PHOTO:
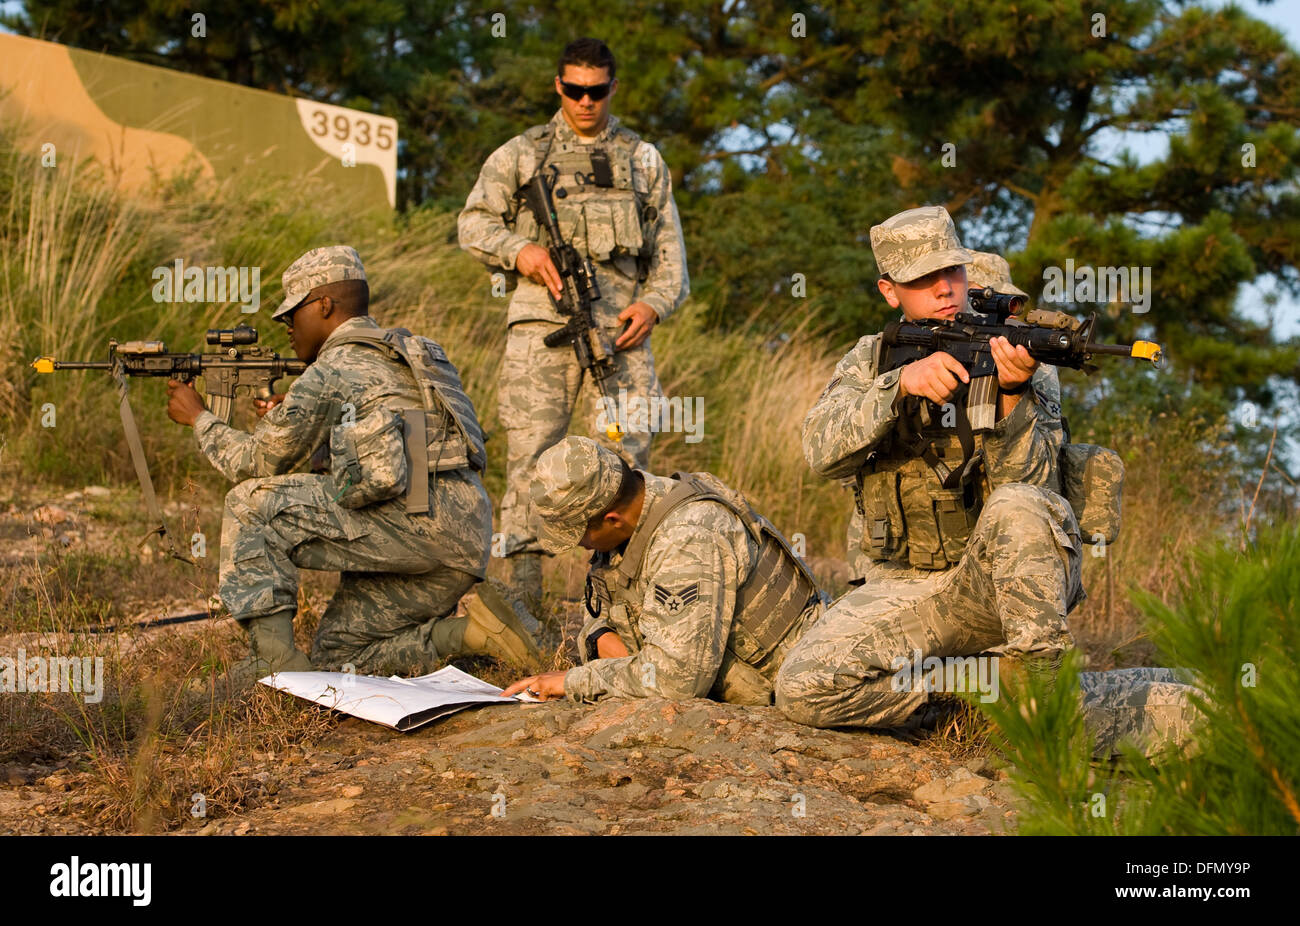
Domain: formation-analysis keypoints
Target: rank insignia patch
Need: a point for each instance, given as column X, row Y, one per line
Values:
column 674, row 602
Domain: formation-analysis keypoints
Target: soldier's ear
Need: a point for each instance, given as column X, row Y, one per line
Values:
column 886, row 288
column 327, row 306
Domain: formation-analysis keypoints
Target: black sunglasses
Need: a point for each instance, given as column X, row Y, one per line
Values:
column 578, row 91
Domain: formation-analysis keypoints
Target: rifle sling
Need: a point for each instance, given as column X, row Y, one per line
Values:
column 141, row 465
column 916, row 443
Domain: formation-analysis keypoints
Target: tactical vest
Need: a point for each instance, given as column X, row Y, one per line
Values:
column 601, row 211
column 770, row 604
column 920, row 493
column 443, row 435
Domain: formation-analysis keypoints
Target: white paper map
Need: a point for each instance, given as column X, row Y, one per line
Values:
column 400, row 703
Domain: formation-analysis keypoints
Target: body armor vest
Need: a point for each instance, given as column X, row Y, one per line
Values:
column 601, row 210
column 770, row 604
column 921, row 493
column 443, row 435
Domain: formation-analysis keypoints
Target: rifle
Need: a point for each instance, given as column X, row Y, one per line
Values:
column 237, row 368
column 1051, row 337
column 592, row 346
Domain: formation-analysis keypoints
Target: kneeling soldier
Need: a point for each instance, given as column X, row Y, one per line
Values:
column 380, row 405
column 691, row 593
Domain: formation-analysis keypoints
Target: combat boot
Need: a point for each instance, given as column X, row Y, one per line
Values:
column 494, row 629
column 1022, row 669
column 526, row 579
column 271, row 649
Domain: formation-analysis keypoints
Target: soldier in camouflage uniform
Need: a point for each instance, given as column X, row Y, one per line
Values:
column 626, row 223
column 378, row 405
column 969, row 553
column 984, row 270
column 690, row 592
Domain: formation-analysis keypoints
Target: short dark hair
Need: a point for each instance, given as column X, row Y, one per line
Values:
column 629, row 485
column 351, row 297
column 592, row 53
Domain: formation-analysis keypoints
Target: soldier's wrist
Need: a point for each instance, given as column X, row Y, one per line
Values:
column 204, row 420
column 593, row 651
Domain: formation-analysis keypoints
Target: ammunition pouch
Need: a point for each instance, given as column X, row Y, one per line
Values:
column 603, row 213
column 909, row 516
column 368, row 459
column 1092, row 479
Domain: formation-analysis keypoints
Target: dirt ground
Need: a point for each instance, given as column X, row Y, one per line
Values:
column 156, row 757
column 692, row 767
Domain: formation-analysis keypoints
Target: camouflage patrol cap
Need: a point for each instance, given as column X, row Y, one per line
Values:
column 992, row 270
column 316, row 268
column 913, row 243
column 575, row 480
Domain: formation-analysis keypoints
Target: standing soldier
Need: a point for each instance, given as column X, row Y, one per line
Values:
column 970, row 552
column 614, row 202
column 402, row 514
column 691, row 593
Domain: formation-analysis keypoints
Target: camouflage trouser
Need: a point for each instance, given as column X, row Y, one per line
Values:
column 393, row 586
column 539, row 389
column 1019, row 577
column 1010, row 593
column 1148, row 708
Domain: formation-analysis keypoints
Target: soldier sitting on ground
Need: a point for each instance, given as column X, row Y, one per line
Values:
column 972, row 547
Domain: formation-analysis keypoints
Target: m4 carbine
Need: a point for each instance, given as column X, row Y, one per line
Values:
column 594, row 350
column 238, row 367
column 1050, row 337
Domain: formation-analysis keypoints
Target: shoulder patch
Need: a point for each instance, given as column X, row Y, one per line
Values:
column 674, row 602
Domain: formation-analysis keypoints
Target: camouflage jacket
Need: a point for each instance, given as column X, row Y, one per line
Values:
column 484, row 233
column 679, row 616
column 855, row 413
column 351, row 380
column 1047, row 392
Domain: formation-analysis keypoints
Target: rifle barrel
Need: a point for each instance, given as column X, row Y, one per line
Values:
column 1118, row 350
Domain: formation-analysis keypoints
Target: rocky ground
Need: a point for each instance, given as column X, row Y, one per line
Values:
column 633, row 767
column 555, row 768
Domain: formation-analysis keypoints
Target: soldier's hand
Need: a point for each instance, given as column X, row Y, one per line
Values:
column 183, row 403
column 262, row 406
column 545, row 687
column 534, row 262
column 640, row 319
column 1015, row 366
column 934, row 378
